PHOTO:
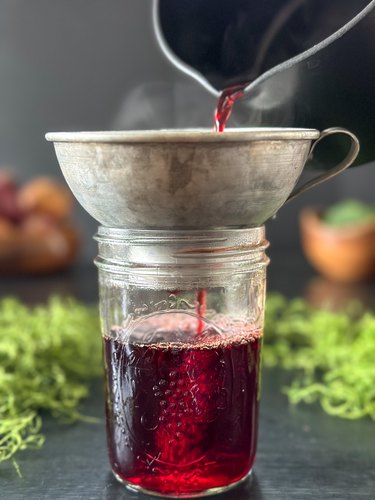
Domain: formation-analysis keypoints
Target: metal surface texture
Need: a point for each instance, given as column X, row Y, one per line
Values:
column 180, row 179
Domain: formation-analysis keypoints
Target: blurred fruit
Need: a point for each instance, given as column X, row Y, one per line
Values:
column 9, row 239
column 51, row 250
column 35, row 235
column 343, row 254
column 37, row 224
column 45, row 196
column 9, row 206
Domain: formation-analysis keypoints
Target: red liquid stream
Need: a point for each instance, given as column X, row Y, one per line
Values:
column 225, row 105
column 183, row 417
column 201, row 309
column 222, row 114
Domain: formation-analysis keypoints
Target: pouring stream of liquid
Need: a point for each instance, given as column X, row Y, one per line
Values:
column 225, row 105
column 222, row 113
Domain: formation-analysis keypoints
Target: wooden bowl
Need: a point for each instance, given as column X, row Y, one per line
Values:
column 345, row 254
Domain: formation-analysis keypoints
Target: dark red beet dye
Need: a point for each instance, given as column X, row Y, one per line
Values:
column 225, row 105
column 182, row 417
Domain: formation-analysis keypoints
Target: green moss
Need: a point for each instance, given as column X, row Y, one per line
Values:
column 47, row 356
column 332, row 355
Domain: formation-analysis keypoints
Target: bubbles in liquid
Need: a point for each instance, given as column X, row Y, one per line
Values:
column 150, row 422
column 168, row 328
column 188, row 395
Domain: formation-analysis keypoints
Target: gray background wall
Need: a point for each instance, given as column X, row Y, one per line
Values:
column 89, row 64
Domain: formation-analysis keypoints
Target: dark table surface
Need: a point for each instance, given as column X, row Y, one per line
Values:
column 303, row 453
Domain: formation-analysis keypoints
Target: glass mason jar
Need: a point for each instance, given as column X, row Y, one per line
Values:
column 182, row 319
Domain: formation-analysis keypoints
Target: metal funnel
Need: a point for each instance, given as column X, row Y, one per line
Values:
column 189, row 178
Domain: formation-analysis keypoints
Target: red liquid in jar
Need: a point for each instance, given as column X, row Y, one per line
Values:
column 182, row 417
column 225, row 105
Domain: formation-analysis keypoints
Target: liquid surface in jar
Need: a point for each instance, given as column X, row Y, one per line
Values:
column 182, row 408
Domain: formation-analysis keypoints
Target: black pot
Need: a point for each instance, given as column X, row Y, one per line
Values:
column 311, row 61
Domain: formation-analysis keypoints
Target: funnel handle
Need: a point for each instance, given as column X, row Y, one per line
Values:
column 348, row 160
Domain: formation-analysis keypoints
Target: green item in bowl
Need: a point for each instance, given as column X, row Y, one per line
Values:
column 348, row 213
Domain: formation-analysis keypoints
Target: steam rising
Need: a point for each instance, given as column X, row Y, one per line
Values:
column 156, row 105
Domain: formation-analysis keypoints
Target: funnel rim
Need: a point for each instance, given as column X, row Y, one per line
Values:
column 185, row 135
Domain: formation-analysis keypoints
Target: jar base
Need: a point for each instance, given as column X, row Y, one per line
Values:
column 211, row 491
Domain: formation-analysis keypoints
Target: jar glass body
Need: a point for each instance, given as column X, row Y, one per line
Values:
column 182, row 319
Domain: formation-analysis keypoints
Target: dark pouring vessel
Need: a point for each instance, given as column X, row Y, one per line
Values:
column 304, row 63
